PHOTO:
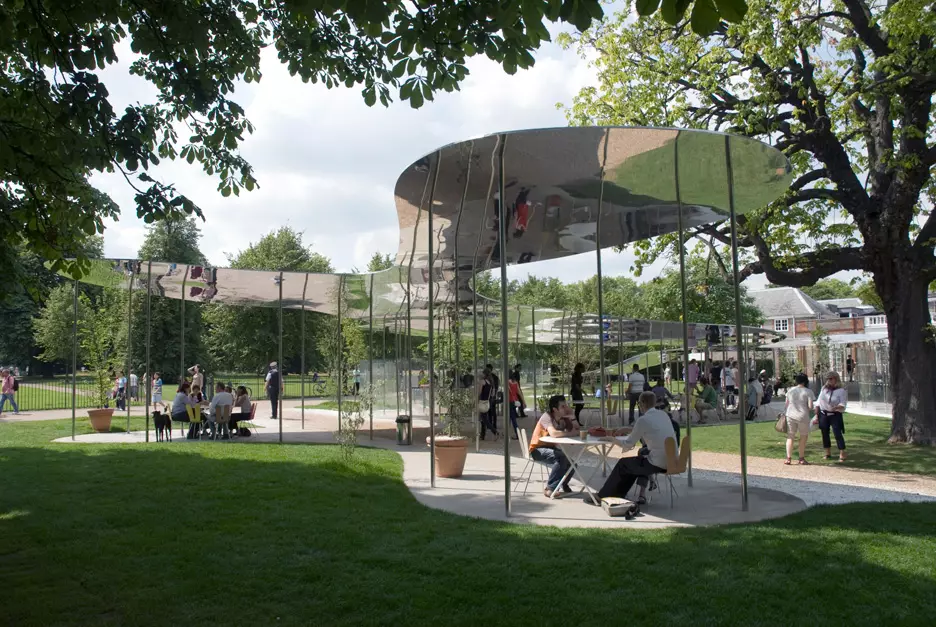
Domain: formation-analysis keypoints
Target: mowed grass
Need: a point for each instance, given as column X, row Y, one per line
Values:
column 259, row 534
column 865, row 440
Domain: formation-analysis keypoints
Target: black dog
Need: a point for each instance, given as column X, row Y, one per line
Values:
column 163, row 424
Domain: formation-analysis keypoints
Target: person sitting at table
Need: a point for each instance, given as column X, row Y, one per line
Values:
column 663, row 396
column 197, row 400
column 181, row 403
column 219, row 401
column 652, row 427
column 241, row 403
column 706, row 398
column 556, row 422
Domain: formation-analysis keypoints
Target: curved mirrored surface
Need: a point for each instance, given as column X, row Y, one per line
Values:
column 567, row 191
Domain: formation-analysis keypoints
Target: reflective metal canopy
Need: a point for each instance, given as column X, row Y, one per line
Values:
column 563, row 185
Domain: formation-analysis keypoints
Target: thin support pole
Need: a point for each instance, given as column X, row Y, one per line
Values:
column 74, row 405
column 302, row 351
column 431, row 340
column 409, row 360
column 687, row 393
column 502, row 244
column 339, row 380
column 601, row 355
column 533, row 313
column 474, row 351
column 370, row 356
column 279, row 398
column 620, row 361
column 396, row 362
column 131, row 273
column 148, row 384
column 739, row 335
column 182, row 339
column 383, row 364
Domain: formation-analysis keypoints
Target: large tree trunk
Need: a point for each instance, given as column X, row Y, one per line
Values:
column 912, row 356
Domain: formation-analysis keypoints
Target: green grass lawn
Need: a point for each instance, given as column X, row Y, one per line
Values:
column 239, row 534
column 865, row 438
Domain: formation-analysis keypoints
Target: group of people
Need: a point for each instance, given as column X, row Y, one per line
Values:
column 217, row 415
column 828, row 411
column 490, row 396
column 651, row 429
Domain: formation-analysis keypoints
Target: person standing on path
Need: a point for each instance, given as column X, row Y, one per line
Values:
column 668, row 377
column 197, row 377
column 134, row 386
column 692, row 374
column 635, row 387
column 577, row 392
column 157, row 392
column 830, row 410
column 274, row 387
column 8, row 391
column 357, row 381
column 799, row 409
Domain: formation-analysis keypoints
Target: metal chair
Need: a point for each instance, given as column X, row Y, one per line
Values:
column 530, row 462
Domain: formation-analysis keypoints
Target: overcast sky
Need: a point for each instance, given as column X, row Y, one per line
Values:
column 327, row 164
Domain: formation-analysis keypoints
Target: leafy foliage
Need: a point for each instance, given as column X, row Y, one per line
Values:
column 380, row 262
column 845, row 90
column 60, row 127
column 99, row 342
column 825, row 289
column 55, row 325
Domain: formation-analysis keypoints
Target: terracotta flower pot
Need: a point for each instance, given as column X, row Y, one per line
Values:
column 450, row 455
column 100, row 419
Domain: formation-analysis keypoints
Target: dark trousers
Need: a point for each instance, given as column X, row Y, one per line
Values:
column 489, row 421
column 557, row 463
column 626, row 473
column 834, row 421
column 274, row 401
column 579, row 402
column 513, row 418
column 633, row 402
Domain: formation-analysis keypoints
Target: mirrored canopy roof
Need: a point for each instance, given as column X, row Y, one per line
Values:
column 567, row 191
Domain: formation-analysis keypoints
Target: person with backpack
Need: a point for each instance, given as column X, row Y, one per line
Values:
column 9, row 388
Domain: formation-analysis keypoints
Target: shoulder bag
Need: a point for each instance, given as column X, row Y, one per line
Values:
column 781, row 425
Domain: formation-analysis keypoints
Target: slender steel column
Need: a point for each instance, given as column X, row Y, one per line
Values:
column 396, row 362
column 408, row 343
column 182, row 338
column 601, row 355
column 474, row 350
column 502, row 242
column 370, row 355
column 74, row 406
column 127, row 400
column 739, row 334
column 431, row 342
column 282, row 367
column 340, row 344
column 383, row 365
column 687, row 393
column 302, row 366
column 148, row 384
column 620, row 361
column 533, row 312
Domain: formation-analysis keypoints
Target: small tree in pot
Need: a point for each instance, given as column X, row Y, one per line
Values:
column 457, row 407
column 97, row 337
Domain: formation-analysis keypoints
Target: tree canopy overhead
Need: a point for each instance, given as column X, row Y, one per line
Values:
column 59, row 126
column 845, row 89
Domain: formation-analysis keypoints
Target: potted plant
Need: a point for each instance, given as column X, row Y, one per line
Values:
column 451, row 447
column 97, row 340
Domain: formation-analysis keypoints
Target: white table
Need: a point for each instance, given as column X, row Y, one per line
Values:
column 573, row 448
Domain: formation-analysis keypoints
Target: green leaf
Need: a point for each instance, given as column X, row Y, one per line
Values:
column 647, row 7
column 370, row 97
column 416, row 99
column 704, row 17
column 732, row 10
column 674, row 10
column 399, row 69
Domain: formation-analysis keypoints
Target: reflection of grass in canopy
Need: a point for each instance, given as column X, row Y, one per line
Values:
column 102, row 533
column 703, row 174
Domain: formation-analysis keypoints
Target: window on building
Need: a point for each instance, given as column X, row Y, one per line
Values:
column 782, row 325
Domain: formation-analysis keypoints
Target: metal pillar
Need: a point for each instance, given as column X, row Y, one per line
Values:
column 279, row 361
column 182, row 338
column 739, row 335
column 127, row 400
column 302, row 366
column 601, row 355
column 620, row 361
column 535, row 404
column 502, row 243
column 148, row 384
column 339, row 380
column 687, row 393
column 408, row 343
column 431, row 341
column 74, row 407
column 474, row 350
column 396, row 363
column 370, row 356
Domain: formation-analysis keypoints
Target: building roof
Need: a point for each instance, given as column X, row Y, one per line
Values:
column 843, row 302
column 788, row 302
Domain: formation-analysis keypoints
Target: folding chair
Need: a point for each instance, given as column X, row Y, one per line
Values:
column 248, row 422
column 676, row 465
column 221, row 421
column 194, row 416
column 530, row 462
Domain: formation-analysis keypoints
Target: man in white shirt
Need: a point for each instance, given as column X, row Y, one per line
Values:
column 653, row 427
column 635, row 387
column 220, row 400
column 134, row 386
column 728, row 384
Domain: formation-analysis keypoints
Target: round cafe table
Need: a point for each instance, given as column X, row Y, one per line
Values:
column 573, row 447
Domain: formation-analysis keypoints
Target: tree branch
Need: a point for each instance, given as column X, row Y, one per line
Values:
column 871, row 35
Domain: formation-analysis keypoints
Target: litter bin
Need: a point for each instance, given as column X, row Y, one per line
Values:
column 404, row 434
